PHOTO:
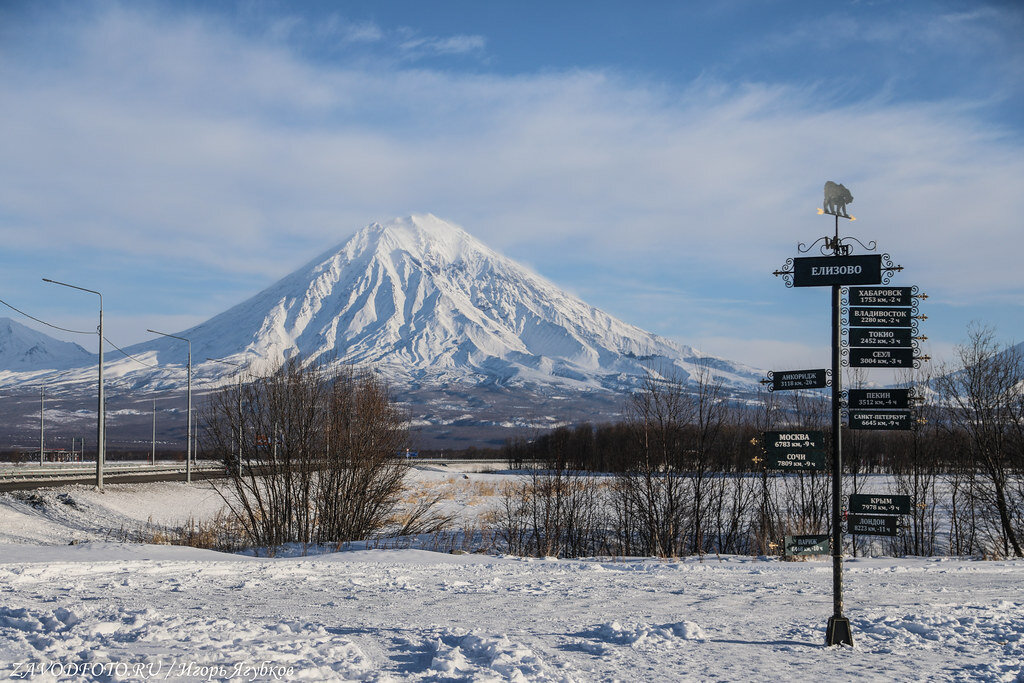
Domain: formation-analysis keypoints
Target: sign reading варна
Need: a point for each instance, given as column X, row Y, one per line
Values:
column 794, row 450
column 824, row 271
column 879, row 504
column 799, row 379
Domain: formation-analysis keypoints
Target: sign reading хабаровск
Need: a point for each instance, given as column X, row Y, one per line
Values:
column 824, row 271
column 799, row 379
column 881, row 296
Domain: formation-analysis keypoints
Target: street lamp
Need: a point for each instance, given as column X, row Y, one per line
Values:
column 240, row 367
column 101, row 413
column 188, row 429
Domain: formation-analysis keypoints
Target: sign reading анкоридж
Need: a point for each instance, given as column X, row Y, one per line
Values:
column 799, row 379
column 823, row 271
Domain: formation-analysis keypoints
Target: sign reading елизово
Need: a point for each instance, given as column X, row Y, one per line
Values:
column 824, row 271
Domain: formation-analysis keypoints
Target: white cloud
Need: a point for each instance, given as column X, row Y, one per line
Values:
column 182, row 141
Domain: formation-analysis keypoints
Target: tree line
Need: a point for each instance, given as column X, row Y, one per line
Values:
column 685, row 472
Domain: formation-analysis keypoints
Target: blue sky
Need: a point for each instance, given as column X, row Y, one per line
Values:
column 657, row 159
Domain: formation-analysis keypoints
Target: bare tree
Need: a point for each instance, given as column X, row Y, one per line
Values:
column 310, row 452
column 983, row 397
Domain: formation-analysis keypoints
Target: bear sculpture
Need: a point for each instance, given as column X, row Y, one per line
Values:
column 836, row 199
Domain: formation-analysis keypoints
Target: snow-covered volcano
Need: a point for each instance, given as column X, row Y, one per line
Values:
column 423, row 301
column 428, row 305
column 23, row 349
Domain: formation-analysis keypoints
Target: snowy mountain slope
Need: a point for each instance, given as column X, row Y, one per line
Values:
column 23, row 349
column 423, row 301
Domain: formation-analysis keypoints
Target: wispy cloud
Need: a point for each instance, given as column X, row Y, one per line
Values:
column 156, row 139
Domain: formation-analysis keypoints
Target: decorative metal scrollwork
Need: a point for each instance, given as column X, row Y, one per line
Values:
column 786, row 272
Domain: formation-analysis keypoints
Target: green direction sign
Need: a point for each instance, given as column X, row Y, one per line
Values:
column 889, row 420
column 879, row 504
column 794, row 451
column 823, row 271
column 808, row 545
column 799, row 379
column 876, row 337
column 867, row 316
column 879, row 399
column 872, row 525
column 881, row 296
column 882, row 358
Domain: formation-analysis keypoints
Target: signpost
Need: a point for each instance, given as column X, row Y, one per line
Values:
column 794, row 451
column 888, row 420
column 872, row 525
column 875, row 337
column 879, row 399
column 881, row 296
column 879, row 504
column 799, row 379
column 829, row 271
column 797, row 546
column 882, row 358
column 836, row 270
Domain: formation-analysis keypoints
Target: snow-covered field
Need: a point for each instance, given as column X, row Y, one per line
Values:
column 102, row 610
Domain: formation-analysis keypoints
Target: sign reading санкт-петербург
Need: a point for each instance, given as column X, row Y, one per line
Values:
column 823, row 271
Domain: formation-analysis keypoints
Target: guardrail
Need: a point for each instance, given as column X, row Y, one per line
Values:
column 78, row 470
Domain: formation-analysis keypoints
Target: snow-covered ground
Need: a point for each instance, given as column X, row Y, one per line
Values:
column 101, row 610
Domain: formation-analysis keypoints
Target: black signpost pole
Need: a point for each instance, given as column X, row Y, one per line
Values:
column 838, row 631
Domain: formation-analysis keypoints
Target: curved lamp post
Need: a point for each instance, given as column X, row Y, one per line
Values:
column 188, row 430
column 101, row 416
column 240, row 368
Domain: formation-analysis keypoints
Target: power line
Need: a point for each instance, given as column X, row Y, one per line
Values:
column 56, row 327
column 128, row 355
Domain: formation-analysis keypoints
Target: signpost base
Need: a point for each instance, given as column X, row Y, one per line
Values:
column 838, row 632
